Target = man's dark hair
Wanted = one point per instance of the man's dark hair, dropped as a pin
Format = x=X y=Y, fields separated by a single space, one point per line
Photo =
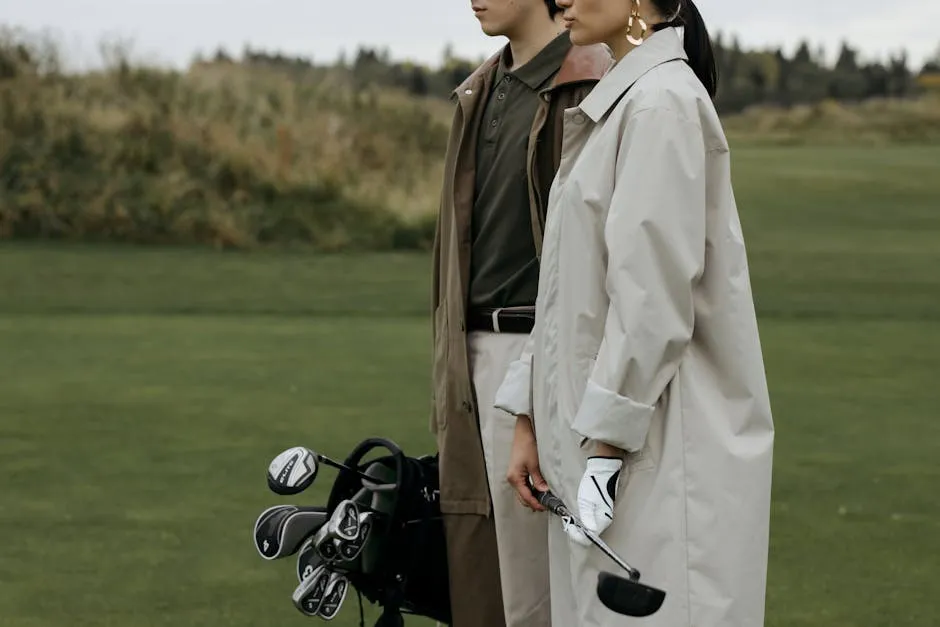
x=552 y=8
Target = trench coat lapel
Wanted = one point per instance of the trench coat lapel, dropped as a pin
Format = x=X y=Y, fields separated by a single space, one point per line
x=661 y=47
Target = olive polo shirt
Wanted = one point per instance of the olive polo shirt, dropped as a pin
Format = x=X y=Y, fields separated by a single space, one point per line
x=504 y=269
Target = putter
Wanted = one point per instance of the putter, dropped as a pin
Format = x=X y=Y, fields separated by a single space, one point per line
x=280 y=534
x=619 y=594
x=309 y=594
x=294 y=470
x=336 y=590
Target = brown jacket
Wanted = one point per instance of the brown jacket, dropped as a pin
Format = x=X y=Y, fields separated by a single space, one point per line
x=454 y=414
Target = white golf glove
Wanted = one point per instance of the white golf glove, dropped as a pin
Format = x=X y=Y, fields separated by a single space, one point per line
x=596 y=496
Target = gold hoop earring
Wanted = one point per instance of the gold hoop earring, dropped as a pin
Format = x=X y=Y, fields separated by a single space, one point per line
x=635 y=15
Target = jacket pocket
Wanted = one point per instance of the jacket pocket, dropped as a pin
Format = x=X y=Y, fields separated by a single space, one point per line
x=440 y=369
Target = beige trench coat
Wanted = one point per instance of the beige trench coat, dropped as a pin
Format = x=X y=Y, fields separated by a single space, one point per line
x=646 y=338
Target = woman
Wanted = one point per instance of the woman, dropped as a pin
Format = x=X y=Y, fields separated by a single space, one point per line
x=651 y=410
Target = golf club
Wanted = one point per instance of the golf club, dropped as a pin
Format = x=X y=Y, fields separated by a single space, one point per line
x=343 y=526
x=624 y=596
x=280 y=534
x=326 y=544
x=627 y=597
x=344 y=523
x=309 y=594
x=294 y=470
x=308 y=559
x=336 y=590
x=351 y=549
x=341 y=553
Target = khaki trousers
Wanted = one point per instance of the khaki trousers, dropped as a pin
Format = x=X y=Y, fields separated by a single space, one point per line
x=521 y=535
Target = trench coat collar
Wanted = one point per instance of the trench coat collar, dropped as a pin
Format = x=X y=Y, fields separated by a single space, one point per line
x=660 y=47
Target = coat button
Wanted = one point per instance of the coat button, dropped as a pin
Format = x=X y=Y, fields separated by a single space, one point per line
x=467 y=406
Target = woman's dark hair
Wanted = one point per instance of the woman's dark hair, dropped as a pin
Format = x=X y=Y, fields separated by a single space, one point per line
x=552 y=8
x=698 y=45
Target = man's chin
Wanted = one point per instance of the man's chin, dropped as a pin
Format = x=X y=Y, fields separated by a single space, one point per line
x=491 y=30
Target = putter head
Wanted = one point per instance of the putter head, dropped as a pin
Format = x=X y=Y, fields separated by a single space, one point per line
x=281 y=533
x=628 y=597
x=292 y=471
x=309 y=594
x=336 y=590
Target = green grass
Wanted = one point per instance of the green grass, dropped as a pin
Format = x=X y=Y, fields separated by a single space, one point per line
x=143 y=391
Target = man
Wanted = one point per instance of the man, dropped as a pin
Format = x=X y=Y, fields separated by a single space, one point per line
x=502 y=155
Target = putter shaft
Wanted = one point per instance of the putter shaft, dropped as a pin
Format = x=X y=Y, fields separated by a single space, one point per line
x=556 y=505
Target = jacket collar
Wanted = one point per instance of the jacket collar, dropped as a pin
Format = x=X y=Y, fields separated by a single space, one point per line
x=661 y=47
x=582 y=63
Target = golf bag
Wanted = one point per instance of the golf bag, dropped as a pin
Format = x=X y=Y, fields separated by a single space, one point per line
x=405 y=571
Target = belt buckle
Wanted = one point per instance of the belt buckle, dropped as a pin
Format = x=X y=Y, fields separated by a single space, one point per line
x=495 y=316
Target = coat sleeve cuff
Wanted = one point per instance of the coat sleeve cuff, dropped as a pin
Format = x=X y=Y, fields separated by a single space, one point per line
x=515 y=393
x=605 y=416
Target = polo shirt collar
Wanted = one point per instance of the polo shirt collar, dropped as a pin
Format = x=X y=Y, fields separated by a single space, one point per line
x=541 y=67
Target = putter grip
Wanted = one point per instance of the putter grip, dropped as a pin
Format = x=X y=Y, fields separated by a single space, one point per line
x=549 y=501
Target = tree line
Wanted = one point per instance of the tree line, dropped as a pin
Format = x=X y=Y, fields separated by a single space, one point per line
x=747 y=77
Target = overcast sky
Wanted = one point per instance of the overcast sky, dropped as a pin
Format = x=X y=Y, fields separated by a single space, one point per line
x=171 y=31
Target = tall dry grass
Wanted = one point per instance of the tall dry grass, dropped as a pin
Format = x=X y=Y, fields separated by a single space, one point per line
x=226 y=154
x=241 y=155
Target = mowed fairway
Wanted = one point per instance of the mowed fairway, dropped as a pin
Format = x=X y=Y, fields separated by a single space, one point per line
x=143 y=392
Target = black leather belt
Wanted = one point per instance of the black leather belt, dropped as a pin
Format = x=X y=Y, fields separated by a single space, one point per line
x=501 y=320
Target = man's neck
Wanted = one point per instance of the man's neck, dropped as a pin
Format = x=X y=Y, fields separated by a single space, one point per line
x=531 y=38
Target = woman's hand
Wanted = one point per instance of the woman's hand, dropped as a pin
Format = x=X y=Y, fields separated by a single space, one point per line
x=524 y=463
x=597 y=492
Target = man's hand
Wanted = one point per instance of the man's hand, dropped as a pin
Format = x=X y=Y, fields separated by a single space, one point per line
x=596 y=496
x=524 y=463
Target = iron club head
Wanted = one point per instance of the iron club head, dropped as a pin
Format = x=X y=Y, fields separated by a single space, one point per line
x=309 y=594
x=344 y=522
x=628 y=597
x=336 y=590
x=308 y=559
x=349 y=550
